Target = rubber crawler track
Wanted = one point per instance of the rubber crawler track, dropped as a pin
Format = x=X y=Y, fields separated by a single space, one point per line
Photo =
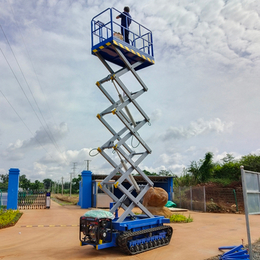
x=128 y=235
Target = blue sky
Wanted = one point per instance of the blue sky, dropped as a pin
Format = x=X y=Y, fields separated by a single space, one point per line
x=203 y=91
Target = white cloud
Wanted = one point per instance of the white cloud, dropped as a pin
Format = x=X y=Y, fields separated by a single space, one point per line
x=40 y=169
x=199 y=127
x=45 y=135
x=156 y=115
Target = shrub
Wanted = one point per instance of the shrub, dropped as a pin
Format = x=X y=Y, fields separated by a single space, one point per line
x=179 y=218
x=9 y=217
x=213 y=207
x=223 y=182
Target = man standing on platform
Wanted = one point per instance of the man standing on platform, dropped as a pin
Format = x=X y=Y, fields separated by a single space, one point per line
x=125 y=23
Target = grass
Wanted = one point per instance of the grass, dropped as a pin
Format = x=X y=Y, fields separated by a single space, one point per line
x=176 y=218
x=65 y=199
x=9 y=217
x=179 y=218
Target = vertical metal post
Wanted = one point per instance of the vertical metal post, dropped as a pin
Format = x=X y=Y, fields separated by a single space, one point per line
x=204 y=198
x=180 y=195
x=70 y=182
x=191 y=197
x=235 y=195
x=92 y=42
x=246 y=212
x=111 y=19
x=62 y=186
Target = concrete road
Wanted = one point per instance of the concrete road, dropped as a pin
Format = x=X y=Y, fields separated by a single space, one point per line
x=53 y=234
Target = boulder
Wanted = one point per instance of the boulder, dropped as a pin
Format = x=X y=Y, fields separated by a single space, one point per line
x=155 y=197
x=154 y=200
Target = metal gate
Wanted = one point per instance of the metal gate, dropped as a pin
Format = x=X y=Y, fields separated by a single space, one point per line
x=32 y=200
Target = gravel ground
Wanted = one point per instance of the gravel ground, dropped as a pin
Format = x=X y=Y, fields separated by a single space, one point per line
x=255 y=248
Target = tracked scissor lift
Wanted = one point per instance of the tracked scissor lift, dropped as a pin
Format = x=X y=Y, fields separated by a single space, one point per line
x=132 y=233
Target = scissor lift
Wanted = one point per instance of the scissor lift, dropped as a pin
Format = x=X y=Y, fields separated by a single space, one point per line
x=133 y=234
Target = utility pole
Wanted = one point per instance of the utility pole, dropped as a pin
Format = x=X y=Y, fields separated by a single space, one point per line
x=87 y=164
x=70 y=182
x=74 y=169
x=62 y=185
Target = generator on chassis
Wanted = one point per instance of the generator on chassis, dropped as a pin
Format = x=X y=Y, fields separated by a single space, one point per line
x=126 y=149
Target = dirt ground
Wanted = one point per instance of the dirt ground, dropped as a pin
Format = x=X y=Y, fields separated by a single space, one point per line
x=54 y=234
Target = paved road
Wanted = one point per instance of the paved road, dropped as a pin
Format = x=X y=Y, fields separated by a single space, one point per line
x=53 y=234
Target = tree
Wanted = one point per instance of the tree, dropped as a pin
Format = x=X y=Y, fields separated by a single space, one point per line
x=4 y=181
x=228 y=170
x=4 y=178
x=37 y=185
x=75 y=184
x=202 y=171
x=166 y=173
x=149 y=173
x=228 y=158
x=47 y=184
x=251 y=162
x=186 y=179
x=24 y=183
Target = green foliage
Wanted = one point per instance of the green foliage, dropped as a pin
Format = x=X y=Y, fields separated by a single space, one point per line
x=9 y=217
x=75 y=185
x=37 y=185
x=185 y=179
x=3 y=186
x=202 y=170
x=228 y=158
x=166 y=173
x=179 y=218
x=222 y=182
x=223 y=172
x=251 y=162
x=24 y=183
x=229 y=170
x=47 y=184
x=149 y=173
x=4 y=178
x=4 y=182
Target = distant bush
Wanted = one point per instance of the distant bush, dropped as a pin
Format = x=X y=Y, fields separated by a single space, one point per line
x=9 y=217
x=222 y=182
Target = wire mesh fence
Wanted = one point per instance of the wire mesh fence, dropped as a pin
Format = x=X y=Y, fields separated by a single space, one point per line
x=192 y=198
x=209 y=199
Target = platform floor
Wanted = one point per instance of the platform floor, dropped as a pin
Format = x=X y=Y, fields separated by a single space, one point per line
x=107 y=51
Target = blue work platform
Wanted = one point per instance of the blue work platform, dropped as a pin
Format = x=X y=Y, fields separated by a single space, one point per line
x=105 y=36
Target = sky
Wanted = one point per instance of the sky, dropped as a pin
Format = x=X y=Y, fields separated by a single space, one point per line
x=203 y=90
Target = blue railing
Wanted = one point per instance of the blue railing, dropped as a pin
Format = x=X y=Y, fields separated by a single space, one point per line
x=104 y=26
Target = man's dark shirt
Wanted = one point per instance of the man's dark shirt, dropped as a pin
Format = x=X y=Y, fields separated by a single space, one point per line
x=125 y=19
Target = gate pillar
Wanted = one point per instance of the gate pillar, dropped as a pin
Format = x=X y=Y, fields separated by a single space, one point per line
x=86 y=190
x=13 y=185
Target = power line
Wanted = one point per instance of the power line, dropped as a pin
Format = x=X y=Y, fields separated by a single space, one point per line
x=45 y=99
x=51 y=138
x=23 y=120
